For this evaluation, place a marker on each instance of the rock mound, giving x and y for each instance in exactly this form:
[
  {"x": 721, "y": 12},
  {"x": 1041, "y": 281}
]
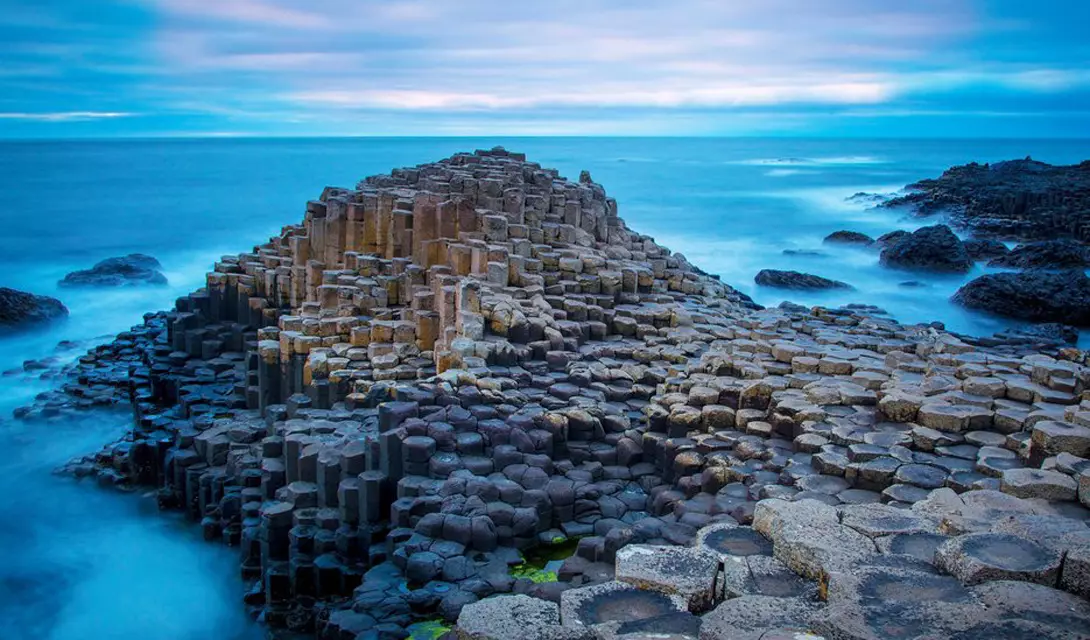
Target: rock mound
[
  {"x": 1037, "y": 296},
  {"x": 796, "y": 280},
  {"x": 934, "y": 248},
  {"x": 19, "y": 309},
  {"x": 133, "y": 269},
  {"x": 1061, "y": 253}
]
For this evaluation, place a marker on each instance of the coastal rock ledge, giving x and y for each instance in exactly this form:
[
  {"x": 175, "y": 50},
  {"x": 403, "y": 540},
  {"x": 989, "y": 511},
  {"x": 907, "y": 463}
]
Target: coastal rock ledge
[{"x": 400, "y": 409}]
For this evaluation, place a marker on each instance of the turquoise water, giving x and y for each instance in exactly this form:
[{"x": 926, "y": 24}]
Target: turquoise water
[{"x": 83, "y": 563}]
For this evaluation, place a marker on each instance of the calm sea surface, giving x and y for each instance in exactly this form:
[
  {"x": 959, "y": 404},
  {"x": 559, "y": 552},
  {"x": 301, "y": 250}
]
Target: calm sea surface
[{"x": 84, "y": 563}]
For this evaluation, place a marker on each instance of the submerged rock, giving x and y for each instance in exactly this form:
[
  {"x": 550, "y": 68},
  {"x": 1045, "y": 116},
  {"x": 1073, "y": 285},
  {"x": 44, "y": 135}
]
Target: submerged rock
[
  {"x": 19, "y": 309},
  {"x": 933, "y": 248},
  {"x": 848, "y": 237},
  {"x": 133, "y": 269},
  {"x": 1037, "y": 296},
  {"x": 796, "y": 280},
  {"x": 1050, "y": 254}
]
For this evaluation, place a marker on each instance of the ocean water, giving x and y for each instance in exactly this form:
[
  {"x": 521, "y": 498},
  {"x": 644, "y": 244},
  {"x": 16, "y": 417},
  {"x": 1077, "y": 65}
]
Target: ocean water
[{"x": 85, "y": 563}]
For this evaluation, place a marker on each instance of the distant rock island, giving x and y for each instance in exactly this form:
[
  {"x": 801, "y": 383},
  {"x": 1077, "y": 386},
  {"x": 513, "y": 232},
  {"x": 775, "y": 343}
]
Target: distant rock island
[
  {"x": 133, "y": 269},
  {"x": 466, "y": 400},
  {"x": 1014, "y": 200}
]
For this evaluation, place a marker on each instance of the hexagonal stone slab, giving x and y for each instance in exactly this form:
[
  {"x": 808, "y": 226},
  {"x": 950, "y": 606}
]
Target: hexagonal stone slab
[
  {"x": 887, "y": 603},
  {"x": 1039, "y": 483},
  {"x": 876, "y": 520},
  {"x": 504, "y": 617},
  {"x": 1012, "y": 600},
  {"x": 979, "y": 557},
  {"x": 614, "y": 602},
  {"x": 683, "y": 571},
  {"x": 807, "y": 537},
  {"x": 750, "y": 617}
]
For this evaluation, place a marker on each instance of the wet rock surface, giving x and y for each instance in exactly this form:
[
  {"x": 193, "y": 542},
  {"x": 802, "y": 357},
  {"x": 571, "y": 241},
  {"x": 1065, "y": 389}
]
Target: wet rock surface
[
  {"x": 1050, "y": 254},
  {"x": 1036, "y": 296},
  {"x": 133, "y": 269},
  {"x": 934, "y": 248},
  {"x": 796, "y": 280},
  {"x": 21, "y": 310},
  {"x": 1016, "y": 199},
  {"x": 398, "y": 408}
]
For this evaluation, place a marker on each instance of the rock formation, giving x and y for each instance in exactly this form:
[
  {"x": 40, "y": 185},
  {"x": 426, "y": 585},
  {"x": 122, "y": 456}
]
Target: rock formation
[
  {"x": 1018, "y": 199},
  {"x": 796, "y": 280},
  {"x": 21, "y": 310},
  {"x": 1049, "y": 254},
  {"x": 448, "y": 368},
  {"x": 934, "y": 248},
  {"x": 1036, "y": 296},
  {"x": 849, "y": 237},
  {"x": 133, "y": 269}
]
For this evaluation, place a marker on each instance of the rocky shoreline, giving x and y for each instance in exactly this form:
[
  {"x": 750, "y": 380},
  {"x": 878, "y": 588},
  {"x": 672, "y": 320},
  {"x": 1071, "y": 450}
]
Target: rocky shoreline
[{"x": 445, "y": 372}]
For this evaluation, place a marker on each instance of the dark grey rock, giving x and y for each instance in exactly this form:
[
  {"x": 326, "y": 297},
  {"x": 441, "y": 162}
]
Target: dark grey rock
[
  {"x": 1036, "y": 296},
  {"x": 1061, "y": 253},
  {"x": 20, "y": 310},
  {"x": 848, "y": 237},
  {"x": 981, "y": 249},
  {"x": 133, "y": 269},
  {"x": 933, "y": 248},
  {"x": 796, "y": 280}
]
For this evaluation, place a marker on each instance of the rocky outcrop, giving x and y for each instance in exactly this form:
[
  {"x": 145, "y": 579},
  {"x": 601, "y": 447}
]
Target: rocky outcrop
[
  {"x": 21, "y": 310},
  {"x": 133, "y": 269},
  {"x": 1049, "y": 254},
  {"x": 891, "y": 238},
  {"x": 849, "y": 237},
  {"x": 1018, "y": 199},
  {"x": 1036, "y": 296},
  {"x": 933, "y": 248},
  {"x": 796, "y": 280},
  {"x": 397, "y": 407},
  {"x": 984, "y": 249}
]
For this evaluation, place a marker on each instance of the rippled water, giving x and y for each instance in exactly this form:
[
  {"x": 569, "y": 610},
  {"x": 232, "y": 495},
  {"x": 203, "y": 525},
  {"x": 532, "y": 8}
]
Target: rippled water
[{"x": 83, "y": 563}]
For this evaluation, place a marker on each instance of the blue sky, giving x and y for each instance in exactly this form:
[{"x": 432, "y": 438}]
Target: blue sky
[{"x": 102, "y": 68}]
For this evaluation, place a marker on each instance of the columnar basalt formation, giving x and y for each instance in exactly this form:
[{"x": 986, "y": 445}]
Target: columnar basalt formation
[{"x": 453, "y": 365}]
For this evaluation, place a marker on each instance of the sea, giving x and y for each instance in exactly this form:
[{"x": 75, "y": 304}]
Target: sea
[{"x": 81, "y": 562}]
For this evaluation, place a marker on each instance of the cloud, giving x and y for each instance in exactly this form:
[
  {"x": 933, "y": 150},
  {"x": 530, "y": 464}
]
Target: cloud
[
  {"x": 65, "y": 116},
  {"x": 703, "y": 64}
]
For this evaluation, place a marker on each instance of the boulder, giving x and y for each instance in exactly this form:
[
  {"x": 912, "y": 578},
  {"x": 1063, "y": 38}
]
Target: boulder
[
  {"x": 796, "y": 280},
  {"x": 933, "y": 248},
  {"x": 1036, "y": 296},
  {"x": 133, "y": 269},
  {"x": 849, "y": 237},
  {"x": 1050, "y": 254},
  {"x": 19, "y": 309}
]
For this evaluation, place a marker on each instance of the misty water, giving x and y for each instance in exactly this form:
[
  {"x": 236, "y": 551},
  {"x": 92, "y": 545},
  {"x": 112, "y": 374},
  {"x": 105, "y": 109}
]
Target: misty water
[{"x": 81, "y": 562}]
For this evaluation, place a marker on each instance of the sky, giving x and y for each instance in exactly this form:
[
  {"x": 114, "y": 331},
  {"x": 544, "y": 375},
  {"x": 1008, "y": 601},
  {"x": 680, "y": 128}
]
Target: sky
[{"x": 919, "y": 68}]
